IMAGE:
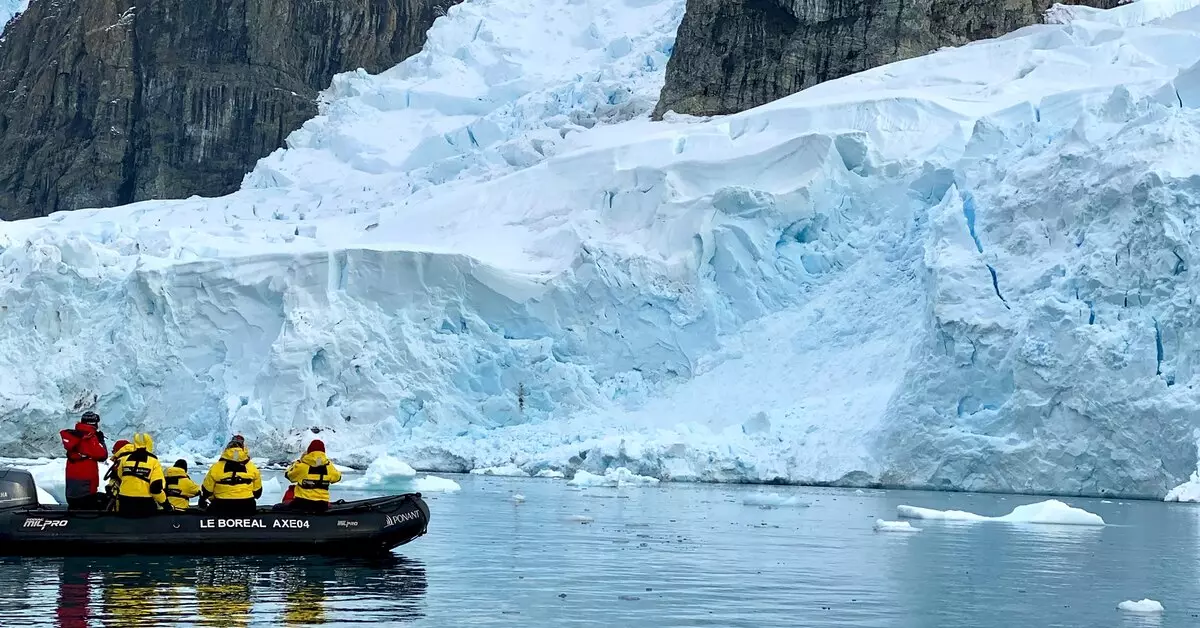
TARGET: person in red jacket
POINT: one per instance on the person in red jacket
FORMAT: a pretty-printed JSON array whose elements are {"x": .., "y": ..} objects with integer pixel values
[{"x": 85, "y": 450}]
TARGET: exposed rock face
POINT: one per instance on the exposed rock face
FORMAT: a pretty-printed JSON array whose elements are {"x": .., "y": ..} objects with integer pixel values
[
  {"x": 104, "y": 103},
  {"x": 732, "y": 55}
]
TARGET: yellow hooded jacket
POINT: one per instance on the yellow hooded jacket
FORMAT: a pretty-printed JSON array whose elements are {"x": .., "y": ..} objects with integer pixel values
[
  {"x": 114, "y": 468},
  {"x": 140, "y": 473},
  {"x": 180, "y": 488},
  {"x": 233, "y": 477},
  {"x": 312, "y": 474}
]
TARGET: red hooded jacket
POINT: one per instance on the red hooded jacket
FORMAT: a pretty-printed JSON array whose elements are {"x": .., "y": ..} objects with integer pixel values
[{"x": 84, "y": 450}]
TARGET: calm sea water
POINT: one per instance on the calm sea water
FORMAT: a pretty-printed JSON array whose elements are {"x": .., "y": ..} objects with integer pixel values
[{"x": 674, "y": 555}]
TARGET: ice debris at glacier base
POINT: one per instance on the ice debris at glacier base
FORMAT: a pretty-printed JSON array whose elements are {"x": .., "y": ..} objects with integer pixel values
[
  {"x": 1051, "y": 511},
  {"x": 618, "y": 477},
  {"x": 774, "y": 500},
  {"x": 1187, "y": 492},
  {"x": 508, "y": 470},
  {"x": 968, "y": 270}
]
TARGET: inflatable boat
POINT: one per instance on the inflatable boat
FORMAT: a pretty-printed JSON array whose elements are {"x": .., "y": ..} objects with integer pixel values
[{"x": 368, "y": 526}]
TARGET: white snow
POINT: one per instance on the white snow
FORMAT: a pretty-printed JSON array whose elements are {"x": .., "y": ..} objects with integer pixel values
[
  {"x": 967, "y": 270},
  {"x": 508, "y": 470},
  {"x": 894, "y": 526},
  {"x": 1050, "y": 511},
  {"x": 616, "y": 477},
  {"x": 1141, "y": 606},
  {"x": 773, "y": 500}
]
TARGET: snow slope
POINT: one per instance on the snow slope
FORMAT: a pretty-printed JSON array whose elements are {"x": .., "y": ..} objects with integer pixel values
[{"x": 967, "y": 270}]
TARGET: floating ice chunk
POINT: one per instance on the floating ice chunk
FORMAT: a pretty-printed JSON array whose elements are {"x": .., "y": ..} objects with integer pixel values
[
  {"x": 774, "y": 500},
  {"x": 508, "y": 470},
  {"x": 550, "y": 473},
  {"x": 614, "y": 477},
  {"x": 434, "y": 484},
  {"x": 1050, "y": 511},
  {"x": 383, "y": 473},
  {"x": 894, "y": 526},
  {"x": 913, "y": 512},
  {"x": 518, "y": 498},
  {"x": 580, "y": 519},
  {"x": 859, "y": 491},
  {"x": 1141, "y": 606}
]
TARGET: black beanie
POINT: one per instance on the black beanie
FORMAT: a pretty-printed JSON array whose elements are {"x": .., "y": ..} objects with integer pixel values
[{"x": 181, "y": 463}]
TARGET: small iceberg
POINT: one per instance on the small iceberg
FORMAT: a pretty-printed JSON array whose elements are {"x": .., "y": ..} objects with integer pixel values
[
  {"x": 434, "y": 484},
  {"x": 774, "y": 500},
  {"x": 1050, "y": 511},
  {"x": 614, "y": 477},
  {"x": 894, "y": 526},
  {"x": 1141, "y": 606},
  {"x": 518, "y": 498},
  {"x": 550, "y": 473},
  {"x": 385, "y": 472},
  {"x": 508, "y": 470}
]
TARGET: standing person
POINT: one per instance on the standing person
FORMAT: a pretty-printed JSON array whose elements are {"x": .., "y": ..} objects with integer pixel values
[
  {"x": 180, "y": 488},
  {"x": 85, "y": 449},
  {"x": 233, "y": 483},
  {"x": 311, "y": 476},
  {"x": 143, "y": 488}
]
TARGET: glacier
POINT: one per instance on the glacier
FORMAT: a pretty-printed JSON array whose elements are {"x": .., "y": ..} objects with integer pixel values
[{"x": 967, "y": 271}]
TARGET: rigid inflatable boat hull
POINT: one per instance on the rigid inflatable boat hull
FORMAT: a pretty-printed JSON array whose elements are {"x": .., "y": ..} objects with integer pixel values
[{"x": 368, "y": 526}]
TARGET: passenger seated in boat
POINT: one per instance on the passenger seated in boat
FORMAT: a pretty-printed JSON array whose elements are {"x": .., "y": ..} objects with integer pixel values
[
  {"x": 233, "y": 483},
  {"x": 180, "y": 488},
  {"x": 112, "y": 481},
  {"x": 311, "y": 476},
  {"x": 142, "y": 487}
]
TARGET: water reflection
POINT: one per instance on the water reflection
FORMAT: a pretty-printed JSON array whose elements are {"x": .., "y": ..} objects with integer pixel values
[{"x": 216, "y": 591}]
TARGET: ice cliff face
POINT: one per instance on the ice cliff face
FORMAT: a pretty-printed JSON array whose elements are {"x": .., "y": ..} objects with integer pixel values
[{"x": 968, "y": 270}]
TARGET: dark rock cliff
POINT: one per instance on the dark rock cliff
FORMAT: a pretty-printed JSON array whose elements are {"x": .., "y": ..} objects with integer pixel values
[
  {"x": 105, "y": 102},
  {"x": 732, "y": 55}
]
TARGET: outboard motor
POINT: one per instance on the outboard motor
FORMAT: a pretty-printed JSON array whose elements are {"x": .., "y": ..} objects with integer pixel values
[{"x": 17, "y": 488}]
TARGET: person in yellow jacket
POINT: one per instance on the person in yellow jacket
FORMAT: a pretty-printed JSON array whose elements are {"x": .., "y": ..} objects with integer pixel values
[
  {"x": 180, "y": 487},
  {"x": 112, "y": 481},
  {"x": 142, "y": 486},
  {"x": 233, "y": 483},
  {"x": 311, "y": 476}
]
